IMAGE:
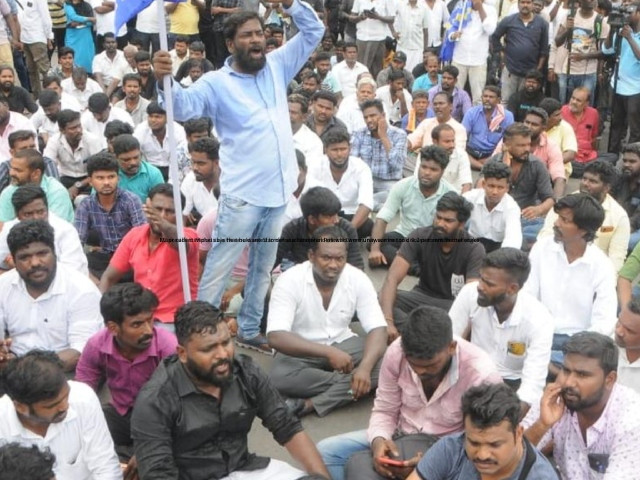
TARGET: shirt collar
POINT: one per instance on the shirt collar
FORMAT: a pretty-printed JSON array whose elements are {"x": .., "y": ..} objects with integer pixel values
[{"x": 57, "y": 287}]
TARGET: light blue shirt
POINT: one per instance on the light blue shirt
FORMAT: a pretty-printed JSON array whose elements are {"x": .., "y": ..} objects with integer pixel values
[
  {"x": 251, "y": 116},
  {"x": 628, "y": 68}
]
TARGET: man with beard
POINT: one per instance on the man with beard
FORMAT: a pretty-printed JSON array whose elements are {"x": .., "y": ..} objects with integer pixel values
[
  {"x": 446, "y": 257},
  {"x": 45, "y": 304},
  {"x": 395, "y": 97},
  {"x": 591, "y": 422},
  {"x": 23, "y": 140},
  {"x": 201, "y": 187},
  {"x": 41, "y": 407},
  {"x": 461, "y": 99},
  {"x": 100, "y": 112},
  {"x": 322, "y": 62},
  {"x": 572, "y": 277},
  {"x": 148, "y": 80},
  {"x": 109, "y": 66},
  {"x": 135, "y": 175},
  {"x": 560, "y": 132},
  {"x": 196, "y": 52},
  {"x": 529, "y": 96},
  {"x": 348, "y": 70},
  {"x": 485, "y": 124},
  {"x": 45, "y": 120},
  {"x": 458, "y": 171},
  {"x": 19, "y": 99},
  {"x": 191, "y": 420},
  {"x": 321, "y": 364},
  {"x": 322, "y": 120},
  {"x": 383, "y": 147},
  {"x": 627, "y": 192},
  {"x": 613, "y": 236},
  {"x": 627, "y": 336},
  {"x": 133, "y": 102},
  {"x": 492, "y": 445},
  {"x": 124, "y": 354},
  {"x": 414, "y": 199},
  {"x": 153, "y": 137},
  {"x": 109, "y": 212},
  {"x": 513, "y": 327},
  {"x": 155, "y": 263},
  {"x": 530, "y": 183},
  {"x": 303, "y": 138},
  {"x": 397, "y": 64},
  {"x": 442, "y": 105}
]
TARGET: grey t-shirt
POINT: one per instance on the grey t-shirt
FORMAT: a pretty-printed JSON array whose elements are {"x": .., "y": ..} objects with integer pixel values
[{"x": 447, "y": 460}]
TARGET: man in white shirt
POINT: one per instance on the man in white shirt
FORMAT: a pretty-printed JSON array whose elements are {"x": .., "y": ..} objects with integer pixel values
[
  {"x": 395, "y": 97},
  {"x": 105, "y": 14},
  {"x": 45, "y": 120},
  {"x": 438, "y": 16},
  {"x": 200, "y": 186},
  {"x": 44, "y": 304},
  {"x": 10, "y": 122},
  {"x": 41, "y": 407},
  {"x": 495, "y": 218},
  {"x": 458, "y": 171},
  {"x": 348, "y": 70},
  {"x": 321, "y": 363},
  {"x": 36, "y": 36},
  {"x": 442, "y": 107},
  {"x": 80, "y": 87},
  {"x": 349, "y": 111},
  {"x": 180, "y": 52},
  {"x": 30, "y": 203},
  {"x": 572, "y": 277},
  {"x": 627, "y": 336},
  {"x": 513, "y": 327},
  {"x": 304, "y": 139},
  {"x": 374, "y": 21},
  {"x": 411, "y": 26},
  {"x": 100, "y": 112},
  {"x": 109, "y": 66},
  {"x": 153, "y": 138}
]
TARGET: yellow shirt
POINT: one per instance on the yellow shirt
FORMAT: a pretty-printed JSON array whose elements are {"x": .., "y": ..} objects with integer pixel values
[
  {"x": 564, "y": 136},
  {"x": 184, "y": 19}
]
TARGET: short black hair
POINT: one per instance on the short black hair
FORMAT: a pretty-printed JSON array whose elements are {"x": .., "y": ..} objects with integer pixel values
[
  {"x": 493, "y": 89},
  {"x": 62, "y": 51},
  {"x": 126, "y": 300},
  {"x": 588, "y": 213},
  {"x": 517, "y": 130},
  {"x": 489, "y": 404},
  {"x": 427, "y": 332},
  {"x": 236, "y": 20},
  {"x": 448, "y": 97},
  {"x": 26, "y": 194},
  {"x": 328, "y": 232},
  {"x": 108, "y": 35},
  {"x": 48, "y": 98},
  {"x": 196, "y": 317},
  {"x": 132, "y": 77},
  {"x": 451, "y": 70},
  {"x": 198, "y": 125},
  {"x": 396, "y": 75},
  {"x": 78, "y": 73},
  {"x": 142, "y": 56},
  {"x": 497, "y": 170},
  {"x": 605, "y": 170},
  {"x": 512, "y": 260},
  {"x": 18, "y": 462},
  {"x": 36, "y": 376},
  {"x": 451, "y": 201},
  {"x": 4, "y": 100},
  {"x": 102, "y": 162},
  {"x": 437, "y": 131},
  {"x": 534, "y": 74},
  {"x": 594, "y": 345},
  {"x": 300, "y": 100},
  {"x": 34, "y": 159},
  {"x": 550, "y": 105},
  {"x": 421, "y": 94},
  {"x": 155, "y": 108},
  {"x": 182, "y": 39},
  {"x": 117, "y": 127},
  {"x": 372, "y": 103},
  {"x": 632, "y": 148},
  {"x": 20, "y": 135},
  {"x": 322, "y": 56},
  {"x": 207, "y": 145},
  {"x": 197, "y": 46},
  {"x": 27, "y": 232},
  {"x": 98, "y": 102},
  {"x": 325, "y": 95},
  {"x": 165, "y": 189},
  {"x": 66, "y": 116},
  {"x": 538, "y": 112},
  {"x": 124, "y": 143},
  {"x": 319, "y": 201},
  {"x": 436, "y": 154},
  {"x": 338, "y": 135}
]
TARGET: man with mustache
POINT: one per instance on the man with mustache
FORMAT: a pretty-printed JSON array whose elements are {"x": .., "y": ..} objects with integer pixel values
[
  {"x": 627, "y": 191},
  {"x": 135, "y": 174},
  {"x": 19, "y": 99},
  {"x": 492, "y": 445},
  {"x": 124, "y": 354},
  {"x": 201, "y": 186},
  {"x": 529, "y": 96},
  {"x": 41, "y": 407},
  {"x": 442, "y": 105},
  {"x": 592, "y": 422},
  {"x": 192, "y": 418}
]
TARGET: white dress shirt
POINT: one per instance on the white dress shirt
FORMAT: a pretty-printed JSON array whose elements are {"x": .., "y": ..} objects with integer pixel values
[
  {"x": 69, "y": 250},
  {"x": 90, "y": 124},
  {"x": 43, "y": 124},
  {"x": 502, "y": 224},
  {"x": 411, "y": 22},
  {"x": 108, "y": 68},
  {"x": 197, "y": 196},
  {"x": 372, "y": 30},
  {"x": 347, "y": 77},
  {"x": 520, "y": 346},
  {"x": 581, "y": 295},
  {"x": 155, "y": 153},
  {"x": 105, "y": 22},
  {"x": 35, "y": 21},
  {"x": 628, "y": 373},
  {"x": 81, "y": 442},
  {"x": 309, "y": 143},
  {"x": 355, "y": 187},
  {"x": 176, "y": 61},
  {"x": 350, "y": 114},
  {"x": 72, "y": 163},
  {"x": 82, "y": 96},
  {"x": 296, "y": 305},
  {"x": 17, "y": 121},
  {"x": 147, "y": 21},
  {"x": 393, "y": 109},
  {"x": 458, "y": 171},
  {"x": 63, "y": 317},
  {"x": 472, "y": 48},
  {"x": 438, "y": 15}
]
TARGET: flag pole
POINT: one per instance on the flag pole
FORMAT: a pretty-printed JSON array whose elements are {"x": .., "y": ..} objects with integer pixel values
[{"x": 173, "y": 160}]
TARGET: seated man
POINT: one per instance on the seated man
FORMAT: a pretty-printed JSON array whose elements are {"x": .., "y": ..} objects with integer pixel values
[
  {"x": 109, "y": 212},
  {"x": 447, "y": 84},
  {"x": 414, "y": 199},
  {"x": 100, "y": 112},
  {"x": 530, "y": 95},
  {"x": 303, "y": 138},
  {"x": 627, "y": 192},
  {"x": 613, "y": 236},
  {"x": 348, "y": 177},
  {"x": 560, "y": 132},
  {"x": 571, "y": 276},
  {"x": 19, "y": 98},
  {"x": 80, "y": 86},
  {"x": 133, "y": 103},
  {"x": 11, "y": 122},
  {"x": 192, "y": 417},
  {"x": 155, "y": 264},
  {"x": 383, "y": 148},
  {"x": 44, "y": 304},
  {"x": 485, "y": 124},
  {"x": 322, "y": 120},
  {"x": 446, "y": 260},
  {"x": 422, "y": 378},
  {"x": 397, "y": 64},
  {"x": 395, "y": 97},
  {"x": 41, "y": 407},
  {"x": 201, "y": 186},
  {"x": 135, "y": 174},
  {"x": 45, "y": 120},
  {"x": 628, "y": 340},
  {"x": 321, "y": 363},
  {"x": 442, "y": 105},
  {"x": 30, "y": 203},
  {"x": 124, "y": 354},
  {"x": 513, "y": 327},
  {"x": 349, "y": 111},
  {"x": 491, "y": 422},
  {"x": 418, "y": 112},
  {"x": 495, "y": 218},
  {"x": 320, "y": 208},
  {"x": 17, "y": 461},
  {"x": 586, "y": 402},
  {"x": 458, "y": 171},
  {"x": 27, "y": 167},
  {"x": 194, "y": 129}
]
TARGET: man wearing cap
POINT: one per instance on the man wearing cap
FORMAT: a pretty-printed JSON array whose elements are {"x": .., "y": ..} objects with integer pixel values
[{"x": 398, "y": 64}]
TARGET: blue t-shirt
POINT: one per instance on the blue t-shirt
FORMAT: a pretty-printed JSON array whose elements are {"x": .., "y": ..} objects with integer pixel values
[{"x": 447, "y": 460}]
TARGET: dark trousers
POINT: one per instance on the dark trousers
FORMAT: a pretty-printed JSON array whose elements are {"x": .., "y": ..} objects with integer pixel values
[
  {"x": 365, "y": 229},
  {"x": 120, "y": 430},
  {"x": 164, "y": 171},
  {"x": 626, "y": 115},
  {"x": 220, "y": 52},
  {"x": 150, "y": 41},
  {"x": 579, "y": 167},
  {"x": 206, "y": 36},
  {"x": 391, "y": 245},
  {"x": 406, "y": 301},
  {"x": 68, "y": 182},
  {"x": 489, "y": 245}
]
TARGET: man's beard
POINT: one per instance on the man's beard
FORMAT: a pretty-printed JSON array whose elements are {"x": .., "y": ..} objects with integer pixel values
[
  {"x": 209, "y": 376},
  {"x": 583, "y": 403},
  {"x": 489, "y": 301},
  {"x": 521, "y": 159},
  {"x": 249, "y": 64}
]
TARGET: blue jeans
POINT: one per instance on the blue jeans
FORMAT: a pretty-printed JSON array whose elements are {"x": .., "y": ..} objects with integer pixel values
[
  {"x": 559, "y": 339},
  {"x": 634, "y": 239},
  {"x": 238, "y": 219},
  {"x": 531, "y": 228},
  {"x": 575, "y": 81},
  {"x": 336, "y": 451}
]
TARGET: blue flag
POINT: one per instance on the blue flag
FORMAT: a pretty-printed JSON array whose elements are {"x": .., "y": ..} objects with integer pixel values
[{"x": 127, "y": 9}]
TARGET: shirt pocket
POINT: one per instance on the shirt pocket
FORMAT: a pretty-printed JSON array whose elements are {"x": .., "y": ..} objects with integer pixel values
[
  {"x": 71, "y": 464},
  {"x": 515, "y": 354}
]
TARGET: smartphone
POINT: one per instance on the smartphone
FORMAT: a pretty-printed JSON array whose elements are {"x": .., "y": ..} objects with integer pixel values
[{"x": 391, "y": 462}]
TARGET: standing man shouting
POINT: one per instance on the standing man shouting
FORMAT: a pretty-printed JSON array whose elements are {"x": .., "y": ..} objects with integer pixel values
[{"x": 247, "y": 100}]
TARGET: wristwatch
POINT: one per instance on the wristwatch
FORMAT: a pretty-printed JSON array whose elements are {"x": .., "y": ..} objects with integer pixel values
[{"x": 78, "y": 185}]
